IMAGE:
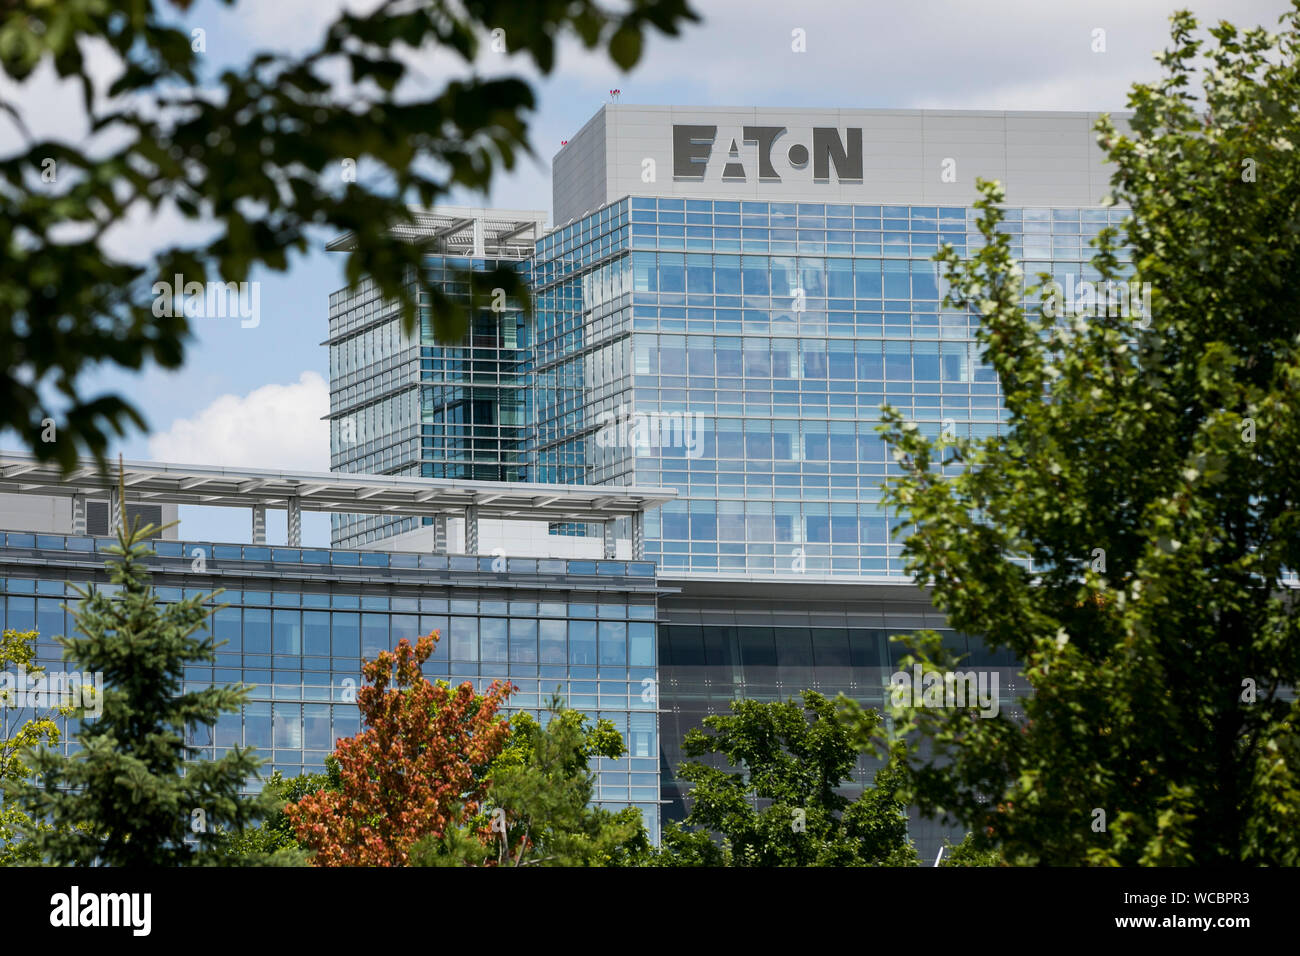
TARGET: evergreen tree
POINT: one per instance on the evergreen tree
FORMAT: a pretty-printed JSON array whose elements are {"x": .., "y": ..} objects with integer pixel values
[{"x": 134, "y": 795}]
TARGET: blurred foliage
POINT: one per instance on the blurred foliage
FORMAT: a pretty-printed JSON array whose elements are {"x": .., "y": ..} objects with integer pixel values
[{"x": 261, "y": 150}]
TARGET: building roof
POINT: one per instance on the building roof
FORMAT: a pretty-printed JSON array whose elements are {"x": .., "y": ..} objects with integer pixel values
[{"x": 213, "y": 486}]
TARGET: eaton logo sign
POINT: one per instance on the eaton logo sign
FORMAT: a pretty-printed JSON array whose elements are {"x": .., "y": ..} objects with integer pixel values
[{"x": 693, "y": 147}]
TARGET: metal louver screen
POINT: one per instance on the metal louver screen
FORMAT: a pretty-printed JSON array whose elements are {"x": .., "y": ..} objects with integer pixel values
[{"x": 97, "y": 516}]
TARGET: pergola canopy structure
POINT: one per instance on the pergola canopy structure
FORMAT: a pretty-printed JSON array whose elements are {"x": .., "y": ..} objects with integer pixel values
[
  {"x": 258, "y": 489},
  {"x": 466, "y": 231}
]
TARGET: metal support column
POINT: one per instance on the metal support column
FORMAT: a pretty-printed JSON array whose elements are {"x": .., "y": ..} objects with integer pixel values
[
  {"x": 293, "y": 512},
  {"x": 638, "y": 535},
  {"x": 78, "y": 514},
  {"x": 114, "y": 511},
  {"x": 471, "y": 529},
  {"x": 259, "y": 524}
]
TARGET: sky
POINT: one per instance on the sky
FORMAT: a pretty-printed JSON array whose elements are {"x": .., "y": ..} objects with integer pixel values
[{"x": 254, "y": 396}]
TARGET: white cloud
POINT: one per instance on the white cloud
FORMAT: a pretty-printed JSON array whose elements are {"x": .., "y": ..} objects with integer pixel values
[
  {"x": 947, "y": 53},
  {"x": 1073, "y": 91},
  {"x": 275, "y": 426}
]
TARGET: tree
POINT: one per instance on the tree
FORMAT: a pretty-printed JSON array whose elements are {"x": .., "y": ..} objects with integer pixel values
[
  {"x": 270, "y": 151},
  {"x": 968, "y": 853},
  {"x": 537, "y": 808},
  {"x": 133, "y": 794},
  {"x": 272, "y": 842},
  {"x": 1131, "y": 533},
  {"x": 18, "y": 651},
  {"x": 415, "y": 770},
  {"x": 794, "y": 758}
]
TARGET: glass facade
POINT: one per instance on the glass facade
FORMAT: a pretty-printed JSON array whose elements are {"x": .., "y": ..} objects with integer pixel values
[
  {"x": 747, "y": 651},
  {"x": 757, "y": 341},
  {"x": 300, "y": 622},
  {"x": 401, "y": 405},
  {"x": 738, "y": 352}
]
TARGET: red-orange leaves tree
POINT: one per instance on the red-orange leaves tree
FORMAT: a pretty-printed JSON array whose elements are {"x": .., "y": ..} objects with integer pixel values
[{"x": 416, "y": 768}]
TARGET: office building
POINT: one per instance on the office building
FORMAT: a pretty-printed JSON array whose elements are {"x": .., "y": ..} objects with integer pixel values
[{"x": 726, "y": 298}]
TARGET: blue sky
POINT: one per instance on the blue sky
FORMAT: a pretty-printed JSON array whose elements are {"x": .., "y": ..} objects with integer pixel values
[{"x": 254, "y": 396}]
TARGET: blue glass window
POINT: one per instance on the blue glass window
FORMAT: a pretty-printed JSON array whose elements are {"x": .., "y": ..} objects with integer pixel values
[
  {"x": 49, "y": 616},
  {"x": 754, "y": 270},
  {"x": 785, "y": 276},
  {"x": 288, "y": 632},
  {"x": 839, "y": 278},
  {"x": 870, "y": 361},
  {"x": 405, "y": 626},
  {"x": 316, "y": 633},
  {"x": 954, "y": 361},
  {"x": 699, "y": 274},
  {"x": 552, "y": 636},
  {"x": 374, "y": 635},
  {"x": 729, "y": 357},
  {"x": 866, "y": 277},
  {"x": 464, "y": 638},
  {"x": 758, "y": 358},
  {"x": 316, "y": 727},
  {"x": 492, "y": 640},
  {"x": 812, "y": 277},
  {"x": 613, "y": 642},
  {"x": 347, "y": 635},
  {"x": 704, "y": 524},
  {"x": 925, "y": 281},
  {"x": 672, "y": 355},
  {"x": 700, "y": 360},
  {"x": 840, "y": 363},
  {"x": 898, "y": 361},
  {"x": 645, "y": 272},
  {"x": 641, "y": 644},
  {"x": 672, "y": 272},
  {"x": 815, "y": 446},
  {"x": 897, "y": 279},
  {"x": 582, "y": 642},
  {"x": 257, "y": 630},
  {"x": 257, "y": 724},
  {"x": 925, "y": 360},
  {"x": 523, "y": 641},
  {"x": 814, "y": 358},
  {"x": 758, "y": 443},
  {"x": 226, "y": 627}
]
